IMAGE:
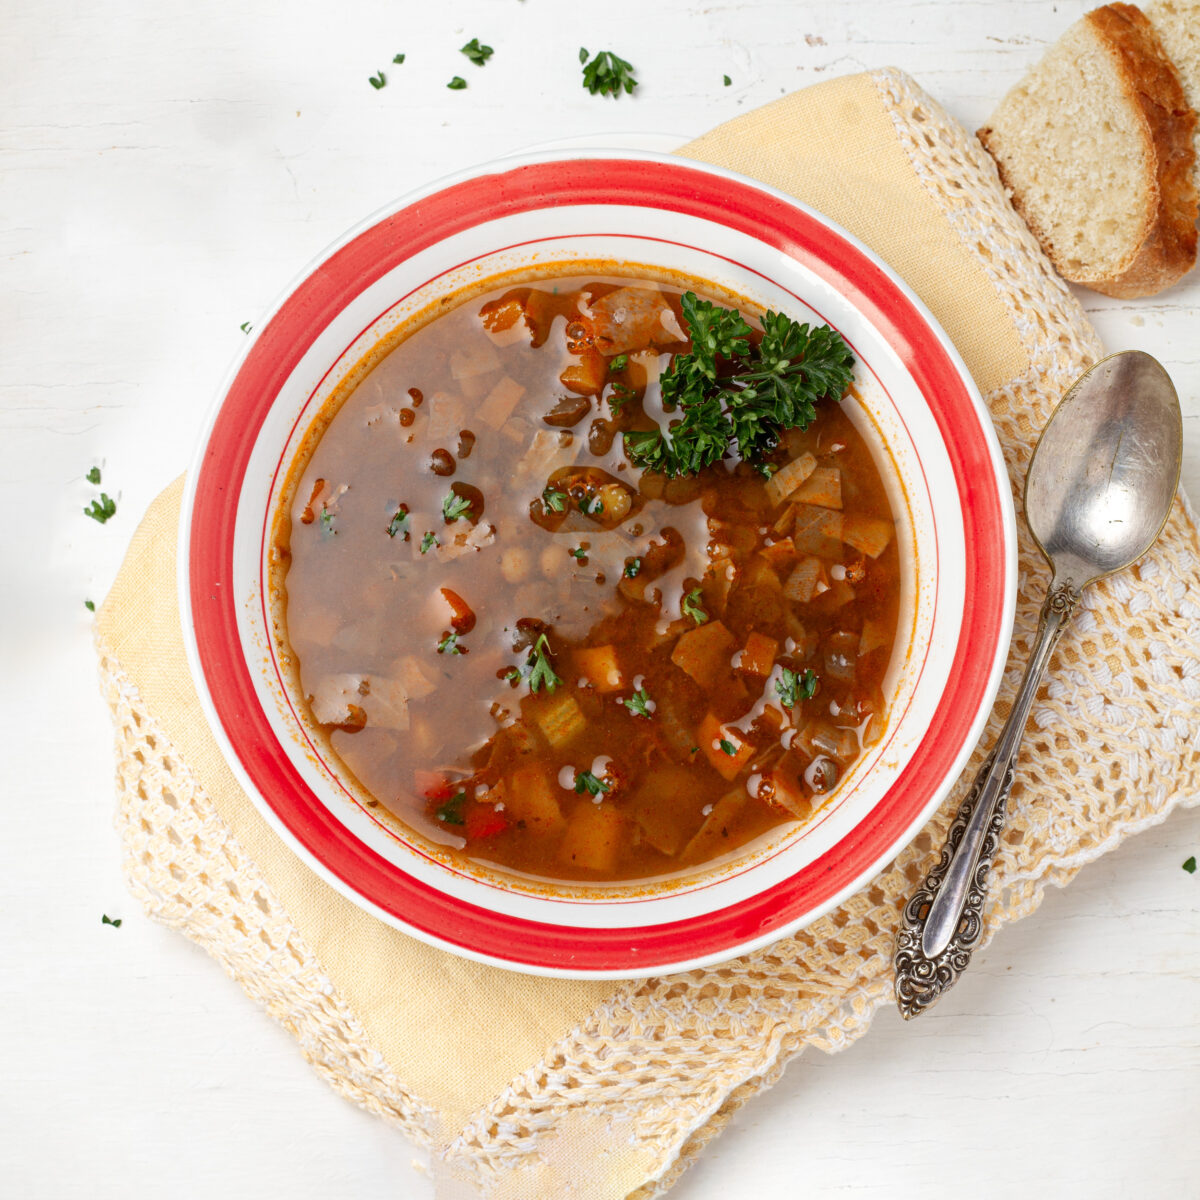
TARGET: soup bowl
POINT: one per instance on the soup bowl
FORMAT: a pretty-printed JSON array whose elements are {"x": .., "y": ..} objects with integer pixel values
[{"x": 913, "y": 402}]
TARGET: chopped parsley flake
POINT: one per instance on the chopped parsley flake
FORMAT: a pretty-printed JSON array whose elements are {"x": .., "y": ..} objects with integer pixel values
[
  {"x": 691, "y": 606},
  {"x": 540, "y": 671},
  {"x": 579, "y": 553},
  {"x": 618, "y": 364},
  {"x": 476, "y": 53},
  {"x": 449, "y": 644},
  {"x": 728, "y": 81},
  {"x": 554, "y": 500},
  {"x": 93, "y": 476},
  {"x": 326, "y": 519},
  {"x": 792, "y": 687},
  {"x": 727, "y": 747},
  {"x": 451, "y": 813},
  {"x": 607, "y": 74},
  {"x": 398, "y": 59},
  {"x": 399, "y": 524},
  {"x": 455, "y": 507},
  {"x": 100, "y": 510},
  {"x": 429, "y": 540},
  {"x": 245, "y": 327},
  {"x": 378, "y": 80},
  {"x": 585, "y": 781},
  {"x": 457, "y": 84},
  {"x": 105, "y": 919},
  {"x": 638, "y": 704},
  {"x": 633, "y": 567}
]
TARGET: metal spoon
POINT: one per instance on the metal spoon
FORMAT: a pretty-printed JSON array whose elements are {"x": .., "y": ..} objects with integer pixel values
[{"x": 1098, "y": 492}]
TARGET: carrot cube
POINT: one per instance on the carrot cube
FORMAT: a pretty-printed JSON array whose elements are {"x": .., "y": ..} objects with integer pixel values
[
  {"x": 529, "y": 795},
  {"x": 593, "y": 837},
  {"x": 759, "y": 655},
  {"x": 560, "y": 719},
  {"x": 717, "y": 740},
  {"x": 598, "y": 664}
]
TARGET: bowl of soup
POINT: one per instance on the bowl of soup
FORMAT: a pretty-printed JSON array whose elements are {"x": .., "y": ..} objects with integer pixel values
[{"x": 597, "y": 565}]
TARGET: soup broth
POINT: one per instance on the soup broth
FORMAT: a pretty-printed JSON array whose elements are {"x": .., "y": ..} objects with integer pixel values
[{"x": 546, "y": 659}]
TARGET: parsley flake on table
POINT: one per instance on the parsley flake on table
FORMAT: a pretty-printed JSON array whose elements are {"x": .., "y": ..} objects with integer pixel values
[
  {"x": 691, "y": 606},
  {"x": 585, "y": 781},
  {"x": 455, "y": 507},
  {"x": 429, "y": 540},
  {"x": 451, "y": 813},
  {"x": 791, "y": 687},
  {"x": 399, "y": 524},
  {"x": 101, "y": 510},
  {"x": 639, "y": 704},
  {"x": 378, "y": 80},
  {"x": 553, "y": 500},
  {"x": 93, "y": 476},
  {"x": 399, "y": 58},
  {"x": 89, "y": 605},
  {"x": 476, "y": 53},
  {"x": 449, "y": 644},
  {"x": 457, "y": 84},
  {"x": 105, "y": 919},
  {"x": 1190, "y": 865},
  {"x": 245, "y": 327},
  {"x": 606, "y": 74},
  {"x": 728, "y": 81},
  {"x": 733, "y": 394}
]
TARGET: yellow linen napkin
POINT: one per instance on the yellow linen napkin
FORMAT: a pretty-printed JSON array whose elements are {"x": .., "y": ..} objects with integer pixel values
[{"x": 601, "y": 1090}]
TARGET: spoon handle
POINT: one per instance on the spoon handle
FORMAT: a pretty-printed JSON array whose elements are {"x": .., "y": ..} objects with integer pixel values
[{"x": 943, "y": 921}]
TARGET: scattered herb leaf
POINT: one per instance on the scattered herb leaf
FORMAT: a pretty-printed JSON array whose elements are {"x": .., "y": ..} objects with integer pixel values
[
  {"x": 429, "y": 540},
  {"x": 455, "y": 507},
  {"x": 541, "y": 672},
  {"x": 727, "y": 747},
  {"x": 792, "y": 686},
  {"x": 89, "y": 606},
  {"x": 1190, "y": 865},
  {"x": 591, "y": 506},
  {"x": 638, "y": 704},
  {"x": 618, "y": 364},
  {"x": 449, "y": 644},
  {"x": 606, "y": 74},
  {"x": 93, "y": 476},
  {"x": 620, "y": 394},
  {"x": 451, "y": 813},
  {"x": 399, "y": 524},
  {"x": 579, "y": 554},
  {"x": 100, "y": 510},
  {"x": 457, "y": 84},
  {"x": 632, "y": 567},
  {"x": 378, "y": 80},
  {"x": 105, "y": 919},
  {"x": 513, "y": 675},
  {"x": 326, "y": 519},
  {"x": 398, "y": 59},
  {"x": 476, "y": 53},
  {"x": 554, "y": 500},
  {"x": 728, "y": 81},
  {"x": 245, "y": 327},
  {"x": 585, "y": 781},
  {"x": 691, "y": 606}
]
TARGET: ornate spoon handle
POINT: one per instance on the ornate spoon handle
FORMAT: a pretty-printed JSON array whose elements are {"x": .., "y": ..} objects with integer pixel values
[{"x": 942, "y": 922}]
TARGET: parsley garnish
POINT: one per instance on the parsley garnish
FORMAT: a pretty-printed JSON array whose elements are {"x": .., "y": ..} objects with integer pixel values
[
  {"x": 245, "y": 327},
  {"x": 585, "y": 781},
  {"x": 449, "y": 644},
  {"x": 105, "y": 919},
  {"x": 451, "y": 813},
  {"x": 638, "y": 704},
  {"x": 618, "y": 364},
  {"x": 727, "y": 747},
  {"x": 606, "y": 73},
  {"x": 792, "y": 686},
  {"x": 89, "y": 606},
  {"x": 93, "y": 476},
  {"x": 326, "y": 519},
  {"x": 399, "y": 524},
  {"x": 728, "y": 81},
  {"x": 457, "y": 84},
  {"x": 579, "y": 554},
  {"x": 620, "y": 394},
  {"x": 513, "y": 675},
  {"x": 539, "y": 671},
  {"x": 398, "y": 59},
  {"x": 100, "y": 510},
  {"x": 771, "y": 387},
  {"x": 476, "y": 53},
  {"x": 691, "y": 606},
  {"x": 1190, "y": 865},
  {"x": 454, "y": 506},
  {"x": 554, "y": 500},
  {"x": 632, "y": 567},
  {"x": 429, "y": 540},
  {"x": 591, "y": 506},
  {"x": 378, "y": 80}
]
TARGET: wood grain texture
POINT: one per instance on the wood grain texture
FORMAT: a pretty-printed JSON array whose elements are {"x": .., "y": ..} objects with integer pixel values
[{"x": 164, "y": 170}]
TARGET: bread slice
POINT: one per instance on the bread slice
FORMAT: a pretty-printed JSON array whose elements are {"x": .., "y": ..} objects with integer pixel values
[
  {"x": 1095, "y": 147},
  {"x": 1177, "y": 23}
]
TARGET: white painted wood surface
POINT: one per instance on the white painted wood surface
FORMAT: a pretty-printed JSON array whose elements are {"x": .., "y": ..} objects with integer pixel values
[{"x": 165, "y": 168}]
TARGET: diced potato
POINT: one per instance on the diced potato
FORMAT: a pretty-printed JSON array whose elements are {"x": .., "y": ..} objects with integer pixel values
[
  {"x": 560, "y": 719},
  {"x": 704, "y": 653},
  {"x": 447, "y": 415},
  {"x": 417, "y": 679},
  {"x": 818, "y": 531},
  {"x": 822, "y": 487},
  {"x": 531, "y": 796},
  {"x": 332, "y": 697},
  {"x": 465, "y": 541},
  {"x": 871, "y": 535},
  {"x": 474, "y": 357},
  {"x": 802, "y": 583},
  {"x": 714, "y": 835},
  {"x": 592, "y": 838},
  {"x": 874, "y": 635},
  {"x": 598, "y": 664},
  {"x": 665, "y": 808},
  {"x": 841, "y": 656},
  {"x": 386, "y": 704},
  {"x": 711, "y": 734},
  {"x": 780, "y": 554},
  {"x": 789, "y": 477},
  {"x": 758, "y": 657},
  {"x": 499, "y": 403}
]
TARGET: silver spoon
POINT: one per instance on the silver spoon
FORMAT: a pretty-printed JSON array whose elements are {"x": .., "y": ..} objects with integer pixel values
[{"x": 1098, "y": 493}]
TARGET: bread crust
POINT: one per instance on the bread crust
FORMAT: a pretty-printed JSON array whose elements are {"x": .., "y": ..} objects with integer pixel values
[{"x": 1166, "y": 248}]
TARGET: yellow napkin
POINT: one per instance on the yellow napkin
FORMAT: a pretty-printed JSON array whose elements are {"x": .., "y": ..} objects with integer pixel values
[{"x": 603, "y": 1090}]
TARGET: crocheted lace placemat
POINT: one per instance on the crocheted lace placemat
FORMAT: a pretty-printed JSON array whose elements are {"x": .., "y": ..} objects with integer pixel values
[{"x": 607, "y": 1091}]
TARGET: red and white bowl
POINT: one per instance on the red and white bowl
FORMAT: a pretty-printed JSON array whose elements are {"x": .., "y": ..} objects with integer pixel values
[{"x": 919, "y": 409}]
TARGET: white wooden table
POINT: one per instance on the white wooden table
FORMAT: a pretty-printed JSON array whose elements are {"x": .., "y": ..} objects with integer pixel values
[{"x": 165, "y": 168}]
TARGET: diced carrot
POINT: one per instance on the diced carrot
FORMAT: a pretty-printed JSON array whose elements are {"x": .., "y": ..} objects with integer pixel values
[
  {"x": 598, "y": 664},
  {"x": 802, "y": 583},
  {"x": 868, "y": 534},
  {"x": 759, "y": 655},
  {"x": 818, "y": 531},
  {"x": 531, "y": 796},
  {"x": 462, "y": 617},
  {"x": 822, "y": 487},
  {"x": 483, "y": 821},
  {"x": 704, "y": 652},
  {"x": 588, "y": 376},
  {"x": 716, "y": 740},
  {"x": 716, "y": 834},
  {"x": 498, "y": 404},
  {"x": 560, "y": 719},
  {"x": 666, "y": 809},
  {"x": 788, "y": 790},
  {"x": 789, "y": 477},
  {"x": 593, "y": 837}
]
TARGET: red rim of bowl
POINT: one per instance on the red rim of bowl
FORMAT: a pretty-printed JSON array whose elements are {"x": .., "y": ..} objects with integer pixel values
[{"x": 210, "y": 604}]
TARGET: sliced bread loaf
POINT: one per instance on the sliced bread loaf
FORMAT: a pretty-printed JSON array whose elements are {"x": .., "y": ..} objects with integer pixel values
[
  {"x": 1095, "y": 147},
  {"x": 1177, "y": 23}
]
